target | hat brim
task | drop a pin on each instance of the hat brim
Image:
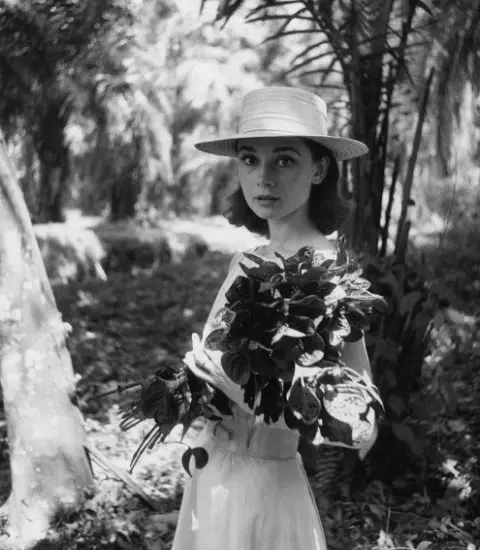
(342, 148)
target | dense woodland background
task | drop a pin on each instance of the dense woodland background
(101, 102)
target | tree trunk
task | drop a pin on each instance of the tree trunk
(29, 180)
(124, 194)
(49, 467)
(53, 183)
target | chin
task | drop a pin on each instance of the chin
(265, 214)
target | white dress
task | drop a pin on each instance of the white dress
(251, 495)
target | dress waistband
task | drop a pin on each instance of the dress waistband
(237, 434)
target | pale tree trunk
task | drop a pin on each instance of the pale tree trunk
(49, 467)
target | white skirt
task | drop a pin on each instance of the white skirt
(250, 495)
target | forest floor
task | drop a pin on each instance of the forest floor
(124, 327)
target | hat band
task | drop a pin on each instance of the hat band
(283, 124)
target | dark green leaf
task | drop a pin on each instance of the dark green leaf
(303, 324)
(201, 457)
(314, 342)
(304, 402)
(335, 430)
(308, 431)
(408, 302)
(236, 367)
(311, 306)
(396, 405)
(405, 433)
(355, 335)
(242, 289)
(290, 419)
(187, 455)
(215, 340)
(310, 359)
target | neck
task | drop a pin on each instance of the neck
(291, 233)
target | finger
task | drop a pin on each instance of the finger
(195, 340)
(201, 354)
(208, 354)
(200, 372)
(197, 347)
(189, 359)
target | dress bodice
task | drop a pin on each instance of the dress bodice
(248, 435)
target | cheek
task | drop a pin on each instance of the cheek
(298, 190)
(247, 181)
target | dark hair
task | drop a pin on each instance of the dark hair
(327, 208)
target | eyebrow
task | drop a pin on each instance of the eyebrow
(276, 150)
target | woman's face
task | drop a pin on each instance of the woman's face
(276, 175)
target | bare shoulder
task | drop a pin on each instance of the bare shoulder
(235, 260)
(318, 242)
(322, 244)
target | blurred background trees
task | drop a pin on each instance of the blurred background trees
(101, 103)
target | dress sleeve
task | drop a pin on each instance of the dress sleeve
(219, 302)
(213, 373)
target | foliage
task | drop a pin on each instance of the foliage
(70, 253)
(398, 344)
(297, 313)
(43, 47)
(125, 109)
(456, 31)
(173, 82)
(73, 253)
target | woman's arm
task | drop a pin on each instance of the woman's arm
(206, 364)
(220, 298)
(355, 357)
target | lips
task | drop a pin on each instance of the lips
(266, 198)
(266, 201)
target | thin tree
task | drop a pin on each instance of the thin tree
(49, 468)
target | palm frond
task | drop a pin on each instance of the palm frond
(265, 4)
(310, 61)
(309, 48)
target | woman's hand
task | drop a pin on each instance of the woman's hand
(206, 365)
(200, 362)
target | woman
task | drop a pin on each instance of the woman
(253, 493)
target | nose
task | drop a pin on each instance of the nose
(265, 177)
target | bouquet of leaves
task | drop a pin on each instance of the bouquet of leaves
(281, 333)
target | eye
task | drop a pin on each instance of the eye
(248, 160)
(285, 161)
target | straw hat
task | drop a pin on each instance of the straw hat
(280, 111)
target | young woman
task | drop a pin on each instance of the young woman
(253, 493)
